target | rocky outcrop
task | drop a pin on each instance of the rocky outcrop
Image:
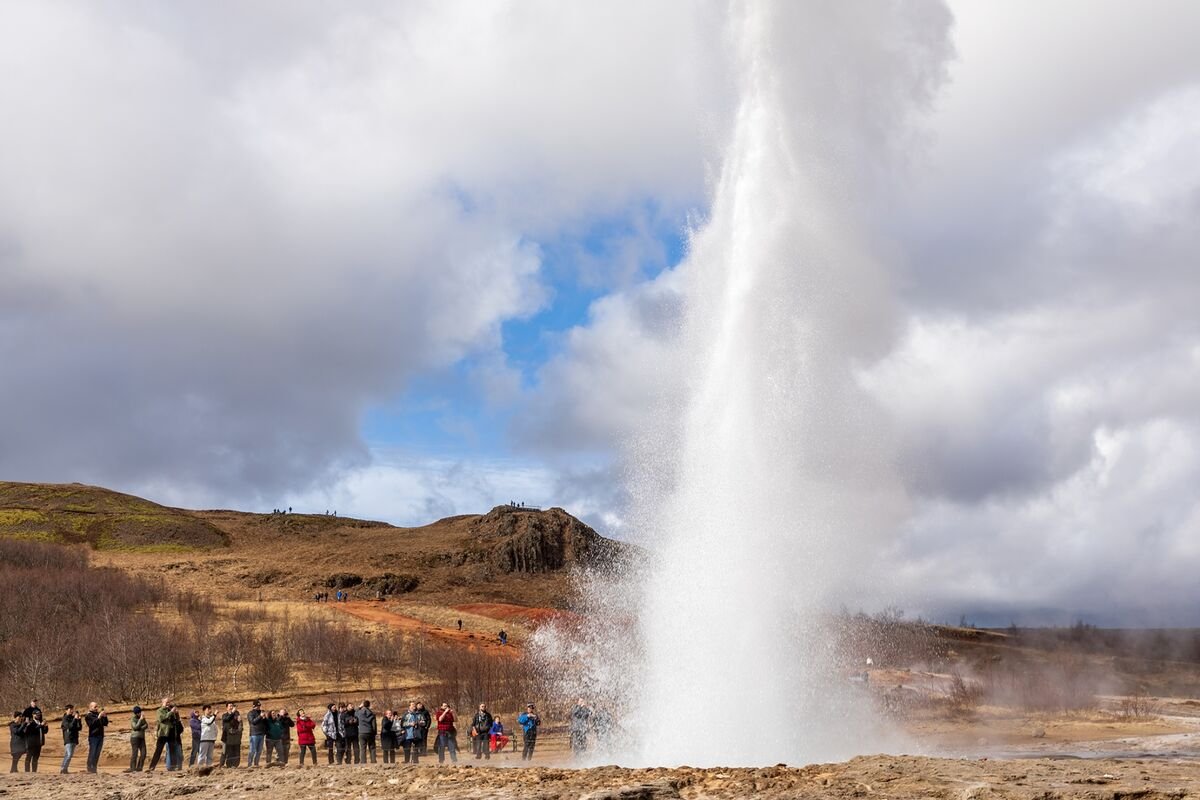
(511, 539)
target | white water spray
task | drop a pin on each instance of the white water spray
(782, 477)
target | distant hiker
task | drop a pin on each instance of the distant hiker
(366, 730)
(497, 740)
(232, 755)
(257, 721)
(460, 624)
(339, 595)
(529, 722)
(16, 737)
(412, 724)
(305, 736)
(426, 725)
(194, 727)
(503, 637)
(481, 729)
(389, 727)
(35, 736)
(581, 717)
(96, 720)
(137, 740)
(329, 727)
(71, 726)
(208, 737)
(446, 734)
(350, 726)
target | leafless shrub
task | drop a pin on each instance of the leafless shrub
(1138, 705)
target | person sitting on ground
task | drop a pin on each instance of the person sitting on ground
(16, 737)
(529, 721)
(305, 736)
(137, 740)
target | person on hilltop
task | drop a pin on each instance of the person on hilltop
(366, 731)
(194, 727)
(530, 721)
(329, 727)
(426, 725)
(162, 734)
(137, 740)
(446, 734)
(581, 716)
(208, 737)
(305, 736)
(16, 737)
(389, 727)
(350, 731)
(412, 724)
(35, 736)
(481, 731)
(71, 726)
(257, 721)
(232, 737)
(96, 720)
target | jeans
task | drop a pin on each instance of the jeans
(68, 753)
(174, 756)
(137, 755)
(256, 748)
(95, 744)
(329, 746)
(480, 745)
(285, 747)
(193, 751)
(446, 741)
(204, 753)
(530, 743)
(412, 750)
(31, 758)
(343, 751)
(366, 744)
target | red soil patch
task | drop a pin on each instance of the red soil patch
(529, 615)
(374, 612)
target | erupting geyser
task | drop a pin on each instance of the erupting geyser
(780, 478)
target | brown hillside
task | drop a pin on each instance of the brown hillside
(509, 555)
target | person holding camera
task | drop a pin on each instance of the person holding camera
(481, 730)
(16, 737)
(96, 720)
(305, 737)
(446, 735)
(530, 721)
(258, 732)
(35, 736)
(208, 737)
(71, 726)
(231, 756)
(412, 724)
(329, 727)
(163, 731)
(137, 740)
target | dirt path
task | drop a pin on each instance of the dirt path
(377, 612)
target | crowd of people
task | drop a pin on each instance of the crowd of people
(352, 735)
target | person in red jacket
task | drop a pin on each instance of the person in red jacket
(305, 737)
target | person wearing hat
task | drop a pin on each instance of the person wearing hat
(529, 722)
(137, 740)
(258, 732)
(72, 724)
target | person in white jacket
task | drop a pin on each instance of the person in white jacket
(208, 737)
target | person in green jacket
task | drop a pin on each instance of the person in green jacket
(275, 739)
(137, 740)
(163, 733)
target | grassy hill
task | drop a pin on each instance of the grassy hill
(101, 518)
